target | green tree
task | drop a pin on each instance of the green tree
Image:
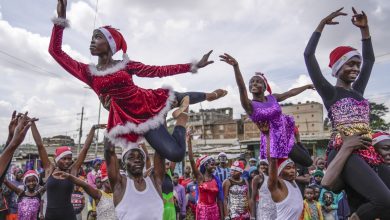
(378, 111)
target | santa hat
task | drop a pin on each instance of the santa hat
(282, 163)
(339, 56)
(238, 166)
(222, 154)
(62, 152)
(252, 159)
(380, 136)
(261, 75)
(132, 147)
(202, 160)
(103, 171)
(115, 39)
(263, 161)
(30, 173)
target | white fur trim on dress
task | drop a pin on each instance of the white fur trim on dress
(63, 22)
(194, 67)
(119, 66)
(142, 128)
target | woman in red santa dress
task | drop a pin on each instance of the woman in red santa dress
(134, 112)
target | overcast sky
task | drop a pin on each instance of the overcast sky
(263, 35)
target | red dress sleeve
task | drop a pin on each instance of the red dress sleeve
(77, 69)
(143, 70)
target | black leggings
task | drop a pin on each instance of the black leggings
(172, 147)
(299, 154)
(368, 192)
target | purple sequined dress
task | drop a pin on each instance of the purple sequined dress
(28, 207)
(268, 115)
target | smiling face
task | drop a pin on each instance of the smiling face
(257, 85)
(383, 148)
(350, 70)
(135, 162)
(65, 162)
(31, 183)
(99, 44)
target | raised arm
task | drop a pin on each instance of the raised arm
(112, 164)
(245, 102)
(159, 169)
(148, 163)
(256, 184)
(12, 187)
(198, 175)
(292, 92)
(19, 134)
(75, 68)
(11, 129)
(143, 70)
(324, 88)
(94, 193)
(361, 21)
(46, 164)
(83, 153)
(331, 180)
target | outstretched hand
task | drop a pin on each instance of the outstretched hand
(228, 59)
(61, 8)
(359, 20)
(23, 124)
(329, 19)
(205, 60)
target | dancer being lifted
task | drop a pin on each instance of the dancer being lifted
(349, 113)
(134, 112)
(277, 130)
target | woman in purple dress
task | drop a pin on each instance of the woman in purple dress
(277, 129)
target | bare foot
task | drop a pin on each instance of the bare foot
(218, 93)
(185, 102)
(182, 118)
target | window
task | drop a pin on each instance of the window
(297, 116)
(297, 107)
(312, 125)
(221, 136)
(312, 116)
(312, 106)
(221, 127)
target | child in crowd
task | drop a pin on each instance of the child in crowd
(30, 206)
(328, 209)
(311, 208)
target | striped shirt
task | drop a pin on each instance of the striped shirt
(222, 173)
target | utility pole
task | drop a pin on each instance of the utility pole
(80, 130)
(97, 131)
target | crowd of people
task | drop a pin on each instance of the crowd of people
(284, 182)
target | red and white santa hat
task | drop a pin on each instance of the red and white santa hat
(115, 39)
(202, 160)
(62, 152)
(103, 171)
(30, 173)
(282, 163)
(339, 56)
(238, 166)
(261, 75)
(380, 136)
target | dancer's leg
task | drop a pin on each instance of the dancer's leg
(300, 155)
(171, 147)
(358, 175)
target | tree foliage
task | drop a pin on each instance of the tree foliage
(378, 111)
